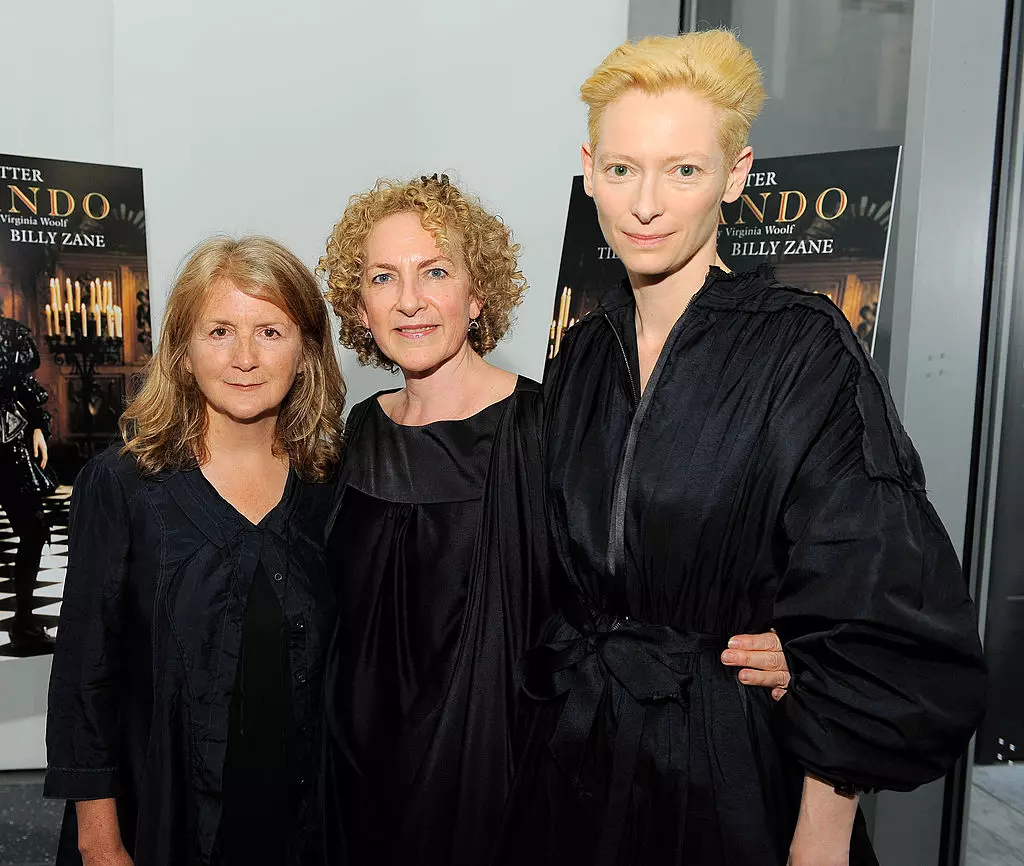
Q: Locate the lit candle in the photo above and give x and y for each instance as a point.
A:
(70, 299)
(563, 316)
(117, 322)
(85, 321)
(109, 300)
(58, 301)
(110, 321)
(53, 295)
(78, 297)
(49, 316)
(67, 317)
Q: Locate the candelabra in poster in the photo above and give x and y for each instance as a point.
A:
(822, 220)
(74, 330)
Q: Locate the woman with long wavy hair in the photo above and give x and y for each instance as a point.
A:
(185, 688)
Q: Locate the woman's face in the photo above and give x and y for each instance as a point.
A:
(658, 177)
(417, 300)
(244, 354)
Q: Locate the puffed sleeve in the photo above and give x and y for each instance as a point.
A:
(27, 390)
(82, 730)
(872, 609)
(33, 397)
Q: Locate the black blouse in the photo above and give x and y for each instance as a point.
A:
(159, 574)
(261, 769)
(761, 479)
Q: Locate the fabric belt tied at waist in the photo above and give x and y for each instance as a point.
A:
(637, 657)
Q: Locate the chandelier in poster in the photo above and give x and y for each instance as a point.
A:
(74, 330)
(822, 220)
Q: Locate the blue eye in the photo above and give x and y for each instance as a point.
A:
(687, 170)
(437, 273)
(380, 279)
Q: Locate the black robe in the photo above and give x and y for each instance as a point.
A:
(159, 576)
(441, 555)
(762, 479)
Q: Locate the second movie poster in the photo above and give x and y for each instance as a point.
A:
(822, 220)
(74, 330)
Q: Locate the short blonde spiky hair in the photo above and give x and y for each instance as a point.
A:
(712, 64)
(459, 225)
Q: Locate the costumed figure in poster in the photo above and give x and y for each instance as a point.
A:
(24, 428)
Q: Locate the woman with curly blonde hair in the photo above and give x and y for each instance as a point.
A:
(186, 680)
(438, 543)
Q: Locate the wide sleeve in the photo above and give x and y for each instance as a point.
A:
(82, 725)
(872, 609)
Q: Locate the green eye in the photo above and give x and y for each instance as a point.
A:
(687, 170)
(619, 171)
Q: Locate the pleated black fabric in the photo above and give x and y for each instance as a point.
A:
(762, 479)
(441, 557)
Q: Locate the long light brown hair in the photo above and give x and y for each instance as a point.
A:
(165, 424)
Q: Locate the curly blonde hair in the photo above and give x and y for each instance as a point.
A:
(165, 424)
(459, 225)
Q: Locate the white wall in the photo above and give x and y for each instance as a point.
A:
(653, 18)
(265, 117)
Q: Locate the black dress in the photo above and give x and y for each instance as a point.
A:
(154, 625)
(440, 553)
(761, 479)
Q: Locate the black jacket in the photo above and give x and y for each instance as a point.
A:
(148, 645)
(761, 479)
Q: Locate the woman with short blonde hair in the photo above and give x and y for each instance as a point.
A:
(723, 457)
(185, 690)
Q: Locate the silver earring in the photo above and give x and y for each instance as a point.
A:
(474, 325)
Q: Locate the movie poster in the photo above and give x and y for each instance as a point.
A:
(74, 329)
(821, 219)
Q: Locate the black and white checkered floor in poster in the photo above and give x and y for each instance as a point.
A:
(53, 566)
